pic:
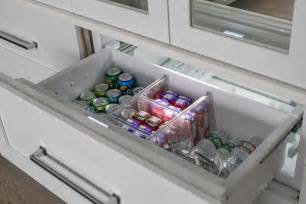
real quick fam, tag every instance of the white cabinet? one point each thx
(144, 17)
(23, 25)
(234, 48)
(118, 162)
(17, 66)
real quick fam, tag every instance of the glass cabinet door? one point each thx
(144, 17)
(263, 36)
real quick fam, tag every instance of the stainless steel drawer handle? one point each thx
(47, 162)
(28, 45)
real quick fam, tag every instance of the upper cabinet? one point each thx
(144, 17)
(263, 36)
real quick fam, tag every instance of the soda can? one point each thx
(101, 90)
(182, 102)
(160, 138)
(134, 123)
(100, 104)
(170, 96)
(113, 95)
(154, 122)
(137, 90)
(111, 77)
(110, 108)
(147, 130)
(87, 96)
(128, 112)
(125, 99)
(142, 116)
(126, 83)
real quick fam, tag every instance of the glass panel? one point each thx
(262, 22)
(139, 4)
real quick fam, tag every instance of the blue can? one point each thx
(126, 83)
(113, 95)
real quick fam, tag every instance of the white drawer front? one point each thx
(98, 162)
(18, 66)
(56, 39)
(152, 23)
(63, 4)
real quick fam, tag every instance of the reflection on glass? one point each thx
(139, 4)
(261, 22)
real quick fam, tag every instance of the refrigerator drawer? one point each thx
(24, 31)
(129, 166)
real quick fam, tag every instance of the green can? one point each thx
(110, 108)
(87, 96)
(100, 104)
(101, 89)
(111, 77)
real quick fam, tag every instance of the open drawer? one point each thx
(45, 115)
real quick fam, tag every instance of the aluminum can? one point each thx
(110, 108)
(101, 90)
(111, 77)
(126, 83)
(113, 95)
(125, 99)
(100, 104)
(87, 96)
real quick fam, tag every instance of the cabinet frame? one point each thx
(152, 23)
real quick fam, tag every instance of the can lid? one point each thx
(101, 87)
(114, 71)
(113, 93)
(125, 76)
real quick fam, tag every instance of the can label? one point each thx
(113, 95)
(101, 90)
(248, 146)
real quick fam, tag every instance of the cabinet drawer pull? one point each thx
(48, 163)
(27, 45)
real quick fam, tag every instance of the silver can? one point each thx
(125, 99)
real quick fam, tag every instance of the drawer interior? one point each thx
(234, 115)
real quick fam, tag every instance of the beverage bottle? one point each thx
(206, 155)
(229, 162)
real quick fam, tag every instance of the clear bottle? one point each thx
(206, 155)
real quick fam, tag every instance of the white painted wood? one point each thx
(153, 23)
(63, 4)
(18, 66)
(284, 67)
(56, 38)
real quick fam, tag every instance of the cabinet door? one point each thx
(263, 44)
(144, 17)
(37, 35)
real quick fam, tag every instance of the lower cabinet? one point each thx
(103, 163)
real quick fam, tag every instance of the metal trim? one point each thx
(42, 152)
(27, 45)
